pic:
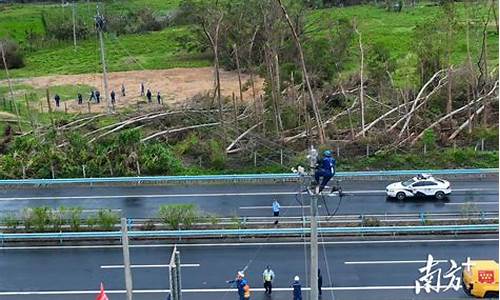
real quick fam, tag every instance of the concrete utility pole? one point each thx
(100, 22)
(2, 50)
(175, 275)
(313, 156)
(126, 259)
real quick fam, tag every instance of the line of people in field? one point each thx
(95, 96)
(268, 276)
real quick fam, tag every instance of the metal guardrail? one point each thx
(290, 221)
(236, 177)
(247, 232)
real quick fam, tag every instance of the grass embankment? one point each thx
(153, 50)
(395, 32)
(159, 50)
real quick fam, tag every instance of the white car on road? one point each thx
(421, 185)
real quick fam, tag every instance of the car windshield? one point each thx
(407, 182)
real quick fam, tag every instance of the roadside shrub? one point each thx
(41, 218)
(370, 222)
(217, 155)
(236, 223)
(91, 221)
(11, 221)
(75, 218)
(13, 55)
(176, 215)
(59, 27)
(58, 218)
(107, 219)
(156, 158)
(212, 219)
(27, 218)
(140, 21)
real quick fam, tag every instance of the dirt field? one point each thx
(175, 85)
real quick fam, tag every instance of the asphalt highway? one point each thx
(362, 197)
(352, 269)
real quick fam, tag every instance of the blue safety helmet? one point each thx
(327, 153)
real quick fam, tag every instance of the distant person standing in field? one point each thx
(113, 95)
(148, 95)
(158, 97)
(123, 90)
(80, 98)
(98, 97)
(57, 99)
(92, 96)
(142, 89)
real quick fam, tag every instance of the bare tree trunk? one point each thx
(466, 123)
(2, 50)
(483, 57)
(449, 104)
(493, 8)
(317, 114)
(447, 116)
(235, 110)
(239, 71)
(416, 101)
(361, 87)
(258, 112)
(274, 96)
(214, 41)
(278, 90)
(471, 86)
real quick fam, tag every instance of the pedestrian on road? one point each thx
(148, 95)
(123, 90)
(240, 282)
(320, 281)
(268, 277)
(142, 88)
(276, 210)
(92, 96)
(297, 288)
(158, 97)
(57, 99)
(113, 95)
(98, 97)
(80, 98)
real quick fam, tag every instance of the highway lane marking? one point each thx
(382, 262)
(270, 193)
(214, 290)
(472, 202)
(270, 206)
(147, 266)
(248, 244)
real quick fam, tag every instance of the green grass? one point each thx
(30, 14)
(395, 31)
(155, 50)
(160, 50)
(443, 158)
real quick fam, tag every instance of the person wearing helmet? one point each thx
(297, 288)
(326, 169)
(241, 285)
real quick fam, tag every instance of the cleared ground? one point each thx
(175, 85)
